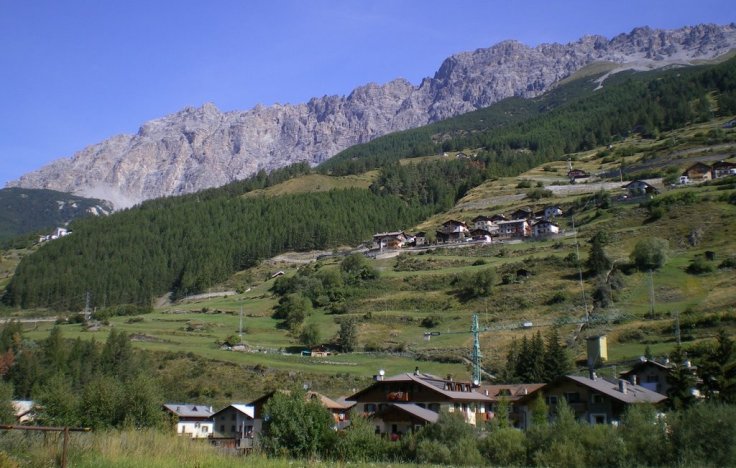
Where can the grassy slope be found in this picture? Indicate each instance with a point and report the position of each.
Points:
(391, 312)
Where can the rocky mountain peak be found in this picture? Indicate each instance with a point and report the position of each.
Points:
(201, 147)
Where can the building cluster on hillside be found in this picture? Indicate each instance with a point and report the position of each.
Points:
(701, 172)
(58, 233)
(522, 223)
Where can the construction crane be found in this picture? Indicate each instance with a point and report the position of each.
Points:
(476, 331)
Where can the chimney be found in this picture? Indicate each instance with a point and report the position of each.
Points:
(622, 386)
(416, 370)
(591, 373)
(632, 378)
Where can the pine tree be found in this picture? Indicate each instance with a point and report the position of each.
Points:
(681, 380)
(556, 360)
(598, 263)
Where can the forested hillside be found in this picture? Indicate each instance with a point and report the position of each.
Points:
(189, 243)
(573, 117)
(24, 211)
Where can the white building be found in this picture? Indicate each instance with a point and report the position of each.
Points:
(193, 421)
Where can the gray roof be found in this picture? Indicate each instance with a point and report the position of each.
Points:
(416, 410)
(634, 393)
(187, 410)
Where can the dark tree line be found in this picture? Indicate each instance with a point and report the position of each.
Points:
(82, 383)
(534, 360)
(186, 245)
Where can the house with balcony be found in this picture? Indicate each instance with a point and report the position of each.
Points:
(545, 228)
(453, 231)
(593, 399)
(516, 228)
(390, 240)
(405, 402)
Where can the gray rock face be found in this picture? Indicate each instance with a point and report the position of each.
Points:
(198, 148)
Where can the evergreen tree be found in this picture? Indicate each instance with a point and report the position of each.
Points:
(7, 412)
(681, 380)
(718, 370)
(598, 263)
(556, 360)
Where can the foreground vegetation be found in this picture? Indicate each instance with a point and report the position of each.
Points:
(704, 435)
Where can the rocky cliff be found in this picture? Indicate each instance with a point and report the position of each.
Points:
(202, 147)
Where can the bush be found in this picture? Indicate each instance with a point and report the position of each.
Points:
(504, 447)
(705, 435)
(728, 263)
(539, 193)
(699, 265)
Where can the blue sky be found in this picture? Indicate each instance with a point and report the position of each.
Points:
(74, 72)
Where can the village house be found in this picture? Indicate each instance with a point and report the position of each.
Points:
(637, 188)
(698, 172)
(545, 228)
(193, 421)
(551, 212)
(510, 394)
(24, 411)
(575, 174)
(420, 238)
(453, 231)
(593, 399)
(498, 217)
(723, 169)
(481, 235)
(389, 240)
(484, 223)
(514, 228)
(649, 374)
(235, 426)
(405, 402)
(522, 213)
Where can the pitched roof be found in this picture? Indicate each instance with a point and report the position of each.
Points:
(328, 403)
(417, 411)
(246, 409)
(187, 410)
(512, 392)
(434, 383)
(608, 387)
(646, 363)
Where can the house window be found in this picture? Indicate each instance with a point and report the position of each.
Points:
(572, 397)
(370, 408)
(434, 407)
(222, 428)
(651, 378)
(596, 398)
(205, 429)
(551, 400)
(232, 428)
(232, 416)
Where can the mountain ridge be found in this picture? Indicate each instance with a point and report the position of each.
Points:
(202, 147)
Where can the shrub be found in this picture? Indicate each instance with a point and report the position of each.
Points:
(698, 266)
(504, 447)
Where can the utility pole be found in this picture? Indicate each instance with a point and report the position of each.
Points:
(476, 350)
(240, 329)
(651, 295)
(580, 269)
(87, 314)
